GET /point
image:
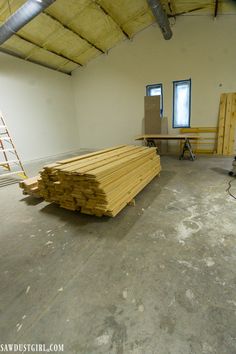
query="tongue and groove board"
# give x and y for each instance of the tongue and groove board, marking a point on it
(100, 183)
(227, 124)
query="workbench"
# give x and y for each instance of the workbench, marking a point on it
(150, 140)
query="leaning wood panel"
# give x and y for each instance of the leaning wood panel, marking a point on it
(227, 123)
(232, 126)
(221, 123)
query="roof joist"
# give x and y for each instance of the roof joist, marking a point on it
(38, 46)
(67, 27)
(19, 56)
(112, 17)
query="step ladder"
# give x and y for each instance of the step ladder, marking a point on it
(10, 163)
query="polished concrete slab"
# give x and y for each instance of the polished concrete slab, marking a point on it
(160, 278)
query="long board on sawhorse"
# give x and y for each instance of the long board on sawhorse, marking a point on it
(150, 140)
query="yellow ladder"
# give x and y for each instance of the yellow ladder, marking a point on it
(9, 158)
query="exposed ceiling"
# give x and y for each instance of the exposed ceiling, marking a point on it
(70, 33)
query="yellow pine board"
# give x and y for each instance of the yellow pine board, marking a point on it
(232, 126)
(124, 197)
(81, 157)
(132, 194)
(100, 171)
(103, 189)
(221, 123)
(106, 161)
(118, 192)
(199, 130)
(73, 166)
(124, 180)
(117, 173)
(124, 186)
(227, 124)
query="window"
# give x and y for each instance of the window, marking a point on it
(181, 103)
(156, 90)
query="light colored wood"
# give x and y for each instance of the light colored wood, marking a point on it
(101, 184)
(167, 137)
(85, 156)
(232, 126)
(30, 186)
(77, 164)
(209, 140)
(104, 170)
(199, 130)
(227, 124)
(104, 160)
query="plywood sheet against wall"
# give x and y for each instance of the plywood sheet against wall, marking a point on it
(152, 121)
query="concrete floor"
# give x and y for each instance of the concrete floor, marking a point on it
(160, 278)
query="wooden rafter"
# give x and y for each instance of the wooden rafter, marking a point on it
(38, 46)
(187, 12)
(68, 27)
(216, 8)
(118, 24)
(19, 56)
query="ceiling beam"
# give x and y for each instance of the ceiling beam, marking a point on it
(118, 24)
(171, 7)
(38, 46)
(187, 12)
(67, 27)
(216, 8)
(16, 55)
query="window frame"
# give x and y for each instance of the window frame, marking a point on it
(149, 87)
(174, 126)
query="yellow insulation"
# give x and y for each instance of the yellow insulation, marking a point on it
(77, 31)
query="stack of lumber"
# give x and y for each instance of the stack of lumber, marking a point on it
(227, 124)
(206, 144)
(100, 183)
(30, 186)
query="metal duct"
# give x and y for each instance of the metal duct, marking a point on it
(161, 17)
(21, 17)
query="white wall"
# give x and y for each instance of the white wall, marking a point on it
(49, 113)
(39, 109)
(109, 91)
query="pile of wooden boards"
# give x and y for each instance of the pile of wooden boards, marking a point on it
(30, 186)
(227, 124)
(100, 183)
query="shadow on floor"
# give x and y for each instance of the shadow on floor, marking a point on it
(122, 223)
(221, 171)
(30, 200)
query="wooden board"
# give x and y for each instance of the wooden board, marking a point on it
(232, 126)
(206, 144)
(227, 124)
(30, 186)
(99, 184)
(167, 136)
